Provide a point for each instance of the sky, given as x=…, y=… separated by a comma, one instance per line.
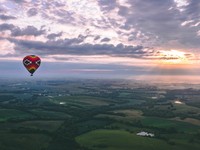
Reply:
x=128, y=39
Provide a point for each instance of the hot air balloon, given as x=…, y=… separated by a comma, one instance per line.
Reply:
x=31, y=63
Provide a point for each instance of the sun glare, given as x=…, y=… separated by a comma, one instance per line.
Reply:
x=173, y=57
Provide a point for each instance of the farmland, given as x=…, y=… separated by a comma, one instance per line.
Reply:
x=123, y=140
x=97, y=114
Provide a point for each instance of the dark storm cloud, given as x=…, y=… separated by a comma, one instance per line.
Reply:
x=6, y=26
x=6, y=17
x=32, y=12
x=76, y=47
x=29, y=30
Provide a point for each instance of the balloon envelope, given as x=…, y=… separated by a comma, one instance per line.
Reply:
x=31, y=63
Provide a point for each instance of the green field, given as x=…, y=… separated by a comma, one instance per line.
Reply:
x=130, y=113
x=184, y=109
x=169, y=124
x=96, y=115
x=188, y=120
x=40, y=124
x=49, y=114
x=10, y=141
x=122, y=140
x=81, y=100
x=127, y=115
x=6, y=114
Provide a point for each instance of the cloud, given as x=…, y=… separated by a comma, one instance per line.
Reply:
x=18, y=1
x=97, y=38
x=127, y=28
x=162, y=22
x=29, y=30
x=5, y=17
x=107, y=5
x=76, y=46
x=192, y=9
x=16, y=31
x=52, y=36
x=124, y=36
x=32, y=12
x=6, y=48
x=6, y=26
x=1, y=10
x=105, y=40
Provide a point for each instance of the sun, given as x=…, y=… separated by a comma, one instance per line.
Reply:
x=173, y=57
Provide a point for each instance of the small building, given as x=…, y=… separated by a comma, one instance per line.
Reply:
x=142, y=133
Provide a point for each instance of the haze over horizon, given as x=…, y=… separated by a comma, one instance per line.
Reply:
x=128, y=39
